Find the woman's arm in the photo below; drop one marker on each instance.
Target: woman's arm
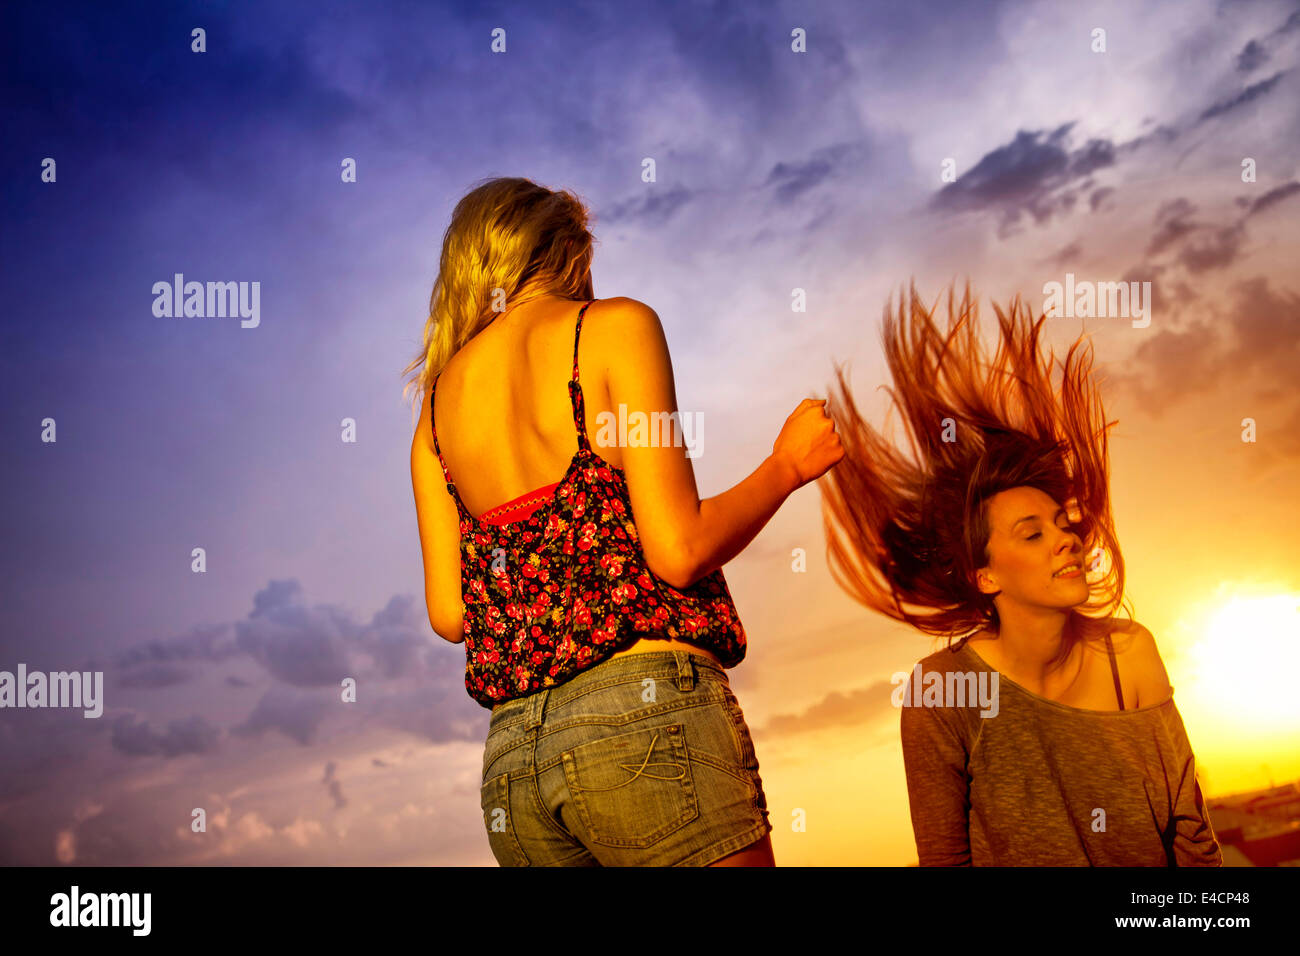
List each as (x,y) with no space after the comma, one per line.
(1189,839)
(439,525)
(1194,842)
(938,786)
(683,537)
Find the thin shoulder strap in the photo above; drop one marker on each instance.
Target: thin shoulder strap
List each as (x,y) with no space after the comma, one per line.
(1114,672)
(575,388)
(451,485)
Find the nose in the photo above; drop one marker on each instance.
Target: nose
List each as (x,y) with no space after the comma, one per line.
(1068,542)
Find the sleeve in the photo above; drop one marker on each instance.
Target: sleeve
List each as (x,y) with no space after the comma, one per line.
(1190,839)
(938,784)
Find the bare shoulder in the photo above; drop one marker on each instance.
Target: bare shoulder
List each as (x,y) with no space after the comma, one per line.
(621,317)
(1139,660)
(628,339)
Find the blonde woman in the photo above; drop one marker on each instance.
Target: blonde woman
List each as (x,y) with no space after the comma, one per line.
(584,576)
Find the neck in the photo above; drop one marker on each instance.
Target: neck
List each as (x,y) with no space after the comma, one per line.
(526,297)
(1031,640)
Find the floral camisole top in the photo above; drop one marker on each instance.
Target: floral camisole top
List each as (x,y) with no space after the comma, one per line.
(555,581)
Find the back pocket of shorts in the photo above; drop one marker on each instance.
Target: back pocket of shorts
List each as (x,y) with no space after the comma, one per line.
(634,788)
(494,797)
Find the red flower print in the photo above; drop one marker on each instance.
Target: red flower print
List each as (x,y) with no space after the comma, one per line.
(581,614)
(576,584)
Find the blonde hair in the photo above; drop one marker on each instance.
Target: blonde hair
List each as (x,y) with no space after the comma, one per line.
(505,234)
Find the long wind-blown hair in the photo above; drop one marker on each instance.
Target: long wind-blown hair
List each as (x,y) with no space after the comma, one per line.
(505,233)
(907,530)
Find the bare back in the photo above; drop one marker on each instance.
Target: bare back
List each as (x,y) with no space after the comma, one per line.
(515,371)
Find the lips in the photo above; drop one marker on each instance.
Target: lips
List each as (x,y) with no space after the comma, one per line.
(1073,569)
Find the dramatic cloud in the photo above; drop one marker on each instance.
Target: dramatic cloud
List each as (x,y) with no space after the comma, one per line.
(192,735)
(294,713)
(335,786)
(1274,196)
(1248,95)
(1255,346)
(866,705)
(1030,175)
(1252,56)
(653,209)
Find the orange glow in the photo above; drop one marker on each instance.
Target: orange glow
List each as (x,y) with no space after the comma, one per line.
(1234,665)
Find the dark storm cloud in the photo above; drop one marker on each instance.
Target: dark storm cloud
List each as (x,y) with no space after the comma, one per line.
(1274,196)
(1099,197)
(306,647)
(1214,249)
(1173,222)
(1258,346)
(1267,327)
(1252,56)
(1200,246)
(190,735)
(335,786)
(791,180)
(396,637)
(1248,95)
(1035,174)
(313,647)
(294,713)
(201,644)
(654,207)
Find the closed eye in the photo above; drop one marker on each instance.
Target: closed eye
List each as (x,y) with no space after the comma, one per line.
(1039,534)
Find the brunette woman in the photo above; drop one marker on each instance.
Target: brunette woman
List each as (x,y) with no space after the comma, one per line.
(995,532)
(586,584)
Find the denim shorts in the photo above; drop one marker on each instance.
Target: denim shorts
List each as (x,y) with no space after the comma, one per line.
(641,760)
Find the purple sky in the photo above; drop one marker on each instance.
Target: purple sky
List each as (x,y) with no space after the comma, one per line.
(776,170)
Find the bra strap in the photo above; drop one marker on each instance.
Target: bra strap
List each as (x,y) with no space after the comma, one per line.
(575,388)
(1114,672)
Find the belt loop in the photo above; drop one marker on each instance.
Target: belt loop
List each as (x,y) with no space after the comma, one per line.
(685,671)
(536,706)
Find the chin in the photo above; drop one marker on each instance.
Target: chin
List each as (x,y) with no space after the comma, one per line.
(1072,596)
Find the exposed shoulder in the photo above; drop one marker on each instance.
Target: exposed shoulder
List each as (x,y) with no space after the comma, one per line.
(628,339)
(1139,661)
(621,317)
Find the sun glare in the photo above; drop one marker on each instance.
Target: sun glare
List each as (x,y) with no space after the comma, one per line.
(1248,660)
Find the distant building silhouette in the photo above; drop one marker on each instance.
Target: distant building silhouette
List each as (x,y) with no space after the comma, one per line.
(1259,827)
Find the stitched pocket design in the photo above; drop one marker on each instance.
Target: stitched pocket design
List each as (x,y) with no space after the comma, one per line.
(633,789)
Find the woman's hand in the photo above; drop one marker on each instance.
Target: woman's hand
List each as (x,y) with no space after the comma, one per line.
(808,445)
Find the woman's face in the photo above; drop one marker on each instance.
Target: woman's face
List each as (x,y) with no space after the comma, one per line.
(1030,543)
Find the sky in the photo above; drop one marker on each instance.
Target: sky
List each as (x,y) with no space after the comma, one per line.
(128,158)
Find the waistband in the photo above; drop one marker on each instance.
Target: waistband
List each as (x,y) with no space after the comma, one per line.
(682,667)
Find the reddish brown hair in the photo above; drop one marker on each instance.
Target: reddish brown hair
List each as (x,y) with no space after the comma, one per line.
(906,532)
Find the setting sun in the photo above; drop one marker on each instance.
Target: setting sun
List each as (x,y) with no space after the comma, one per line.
(1232,658)
(1249,657)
